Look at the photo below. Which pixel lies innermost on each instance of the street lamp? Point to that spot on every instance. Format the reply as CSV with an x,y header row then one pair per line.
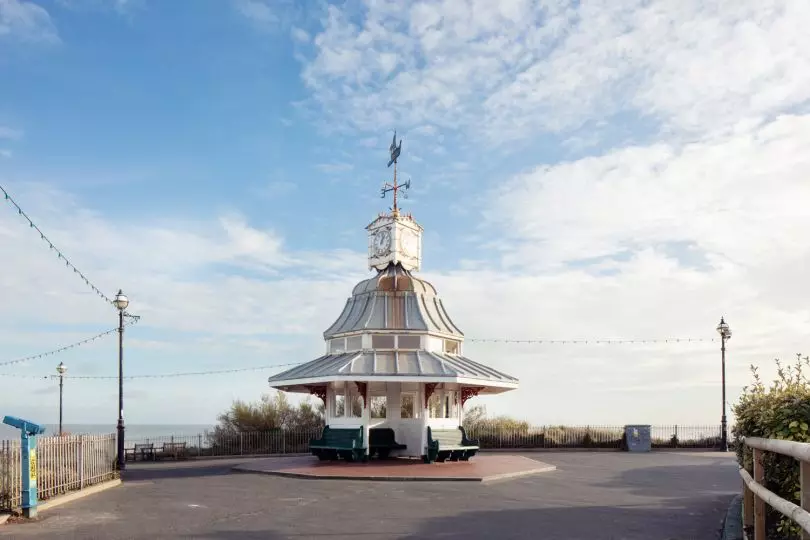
x,y
121,302
61,369
725,335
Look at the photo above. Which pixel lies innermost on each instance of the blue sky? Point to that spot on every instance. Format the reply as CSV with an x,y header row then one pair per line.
x,y
631,170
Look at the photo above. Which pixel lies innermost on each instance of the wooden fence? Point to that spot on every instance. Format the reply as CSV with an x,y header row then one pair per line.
x,y
755,495
63,464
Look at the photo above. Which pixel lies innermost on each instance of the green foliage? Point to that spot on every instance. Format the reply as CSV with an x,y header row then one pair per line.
x,y
781,411
271,413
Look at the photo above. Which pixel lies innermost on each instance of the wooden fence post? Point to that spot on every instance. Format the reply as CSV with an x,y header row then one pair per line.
x,y
804,474
759,504
748,508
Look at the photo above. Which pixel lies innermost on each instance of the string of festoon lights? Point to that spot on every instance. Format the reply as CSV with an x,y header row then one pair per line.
x,y
291,364
61,256
132,320
600,341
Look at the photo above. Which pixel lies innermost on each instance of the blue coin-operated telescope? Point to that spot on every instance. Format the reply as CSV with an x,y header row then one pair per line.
x,y
28,432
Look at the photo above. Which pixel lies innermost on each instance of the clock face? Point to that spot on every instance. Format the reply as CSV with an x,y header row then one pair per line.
x,y
382,242
408,242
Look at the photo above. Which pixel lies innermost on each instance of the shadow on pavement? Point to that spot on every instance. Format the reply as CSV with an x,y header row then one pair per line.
x,y
674,480
688,519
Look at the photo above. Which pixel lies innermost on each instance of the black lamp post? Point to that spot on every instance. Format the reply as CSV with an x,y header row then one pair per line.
x,y
725,335
61,369
121,302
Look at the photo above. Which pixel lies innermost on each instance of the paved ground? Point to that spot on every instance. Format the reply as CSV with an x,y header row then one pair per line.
x,y
590,496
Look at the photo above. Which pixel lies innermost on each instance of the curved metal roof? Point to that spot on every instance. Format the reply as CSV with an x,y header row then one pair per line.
x,y
394,299
391,366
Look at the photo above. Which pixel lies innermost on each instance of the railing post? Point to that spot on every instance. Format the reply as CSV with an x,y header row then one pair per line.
x,y
804,476
80,449
748,508
283,441
240,443
759,504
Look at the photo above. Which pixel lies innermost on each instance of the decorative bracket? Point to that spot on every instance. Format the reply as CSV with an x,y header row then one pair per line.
x,y
363,389
429,389
469,391
319,390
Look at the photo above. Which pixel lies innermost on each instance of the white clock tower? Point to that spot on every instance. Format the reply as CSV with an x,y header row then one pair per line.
x,y
394,238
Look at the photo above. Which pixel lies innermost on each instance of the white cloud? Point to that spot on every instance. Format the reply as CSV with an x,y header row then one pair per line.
x,y
5,153
335,167
509,70
26,21
299,35
10,133
257,11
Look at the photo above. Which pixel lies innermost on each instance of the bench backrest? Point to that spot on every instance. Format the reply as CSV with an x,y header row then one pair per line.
x,y
149,446
446,437
381,436
341,435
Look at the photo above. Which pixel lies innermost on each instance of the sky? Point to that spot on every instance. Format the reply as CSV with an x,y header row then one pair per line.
x,y
583,170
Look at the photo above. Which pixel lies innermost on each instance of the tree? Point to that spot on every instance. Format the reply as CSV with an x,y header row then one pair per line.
x,y
270,413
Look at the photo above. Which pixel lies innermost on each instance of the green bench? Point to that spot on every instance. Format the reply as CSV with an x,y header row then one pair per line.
x,y
382,441
452,444
339,442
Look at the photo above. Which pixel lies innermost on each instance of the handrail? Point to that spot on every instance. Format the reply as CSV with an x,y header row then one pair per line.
x,y
756,495
796,450
786,508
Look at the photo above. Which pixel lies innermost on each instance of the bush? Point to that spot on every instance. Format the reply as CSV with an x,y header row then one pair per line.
x,y
781,411
271,413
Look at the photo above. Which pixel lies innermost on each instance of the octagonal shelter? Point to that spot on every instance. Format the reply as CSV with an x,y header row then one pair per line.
x,y
394,357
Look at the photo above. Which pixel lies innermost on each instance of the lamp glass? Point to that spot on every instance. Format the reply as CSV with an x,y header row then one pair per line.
x,y
61,368
121,301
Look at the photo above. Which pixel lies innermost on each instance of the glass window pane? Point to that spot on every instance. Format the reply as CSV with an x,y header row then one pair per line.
x,y
435,407
450,346
382,341
379,406
407,406
337,345
408,342
354,343
340,405
357,406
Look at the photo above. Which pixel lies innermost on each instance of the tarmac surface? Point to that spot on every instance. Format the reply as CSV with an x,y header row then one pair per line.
x,y
660,495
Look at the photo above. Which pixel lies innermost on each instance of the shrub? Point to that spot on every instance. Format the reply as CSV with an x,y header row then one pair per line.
x,y
781,411
271,413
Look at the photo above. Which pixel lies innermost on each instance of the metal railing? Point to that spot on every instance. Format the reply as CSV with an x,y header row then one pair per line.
x,y
492,436
755,495
64,464
274,442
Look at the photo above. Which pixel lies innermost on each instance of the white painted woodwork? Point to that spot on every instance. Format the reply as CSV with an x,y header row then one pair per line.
x,y
404,246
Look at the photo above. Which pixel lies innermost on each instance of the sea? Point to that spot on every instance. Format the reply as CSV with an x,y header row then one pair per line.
x,y
134,432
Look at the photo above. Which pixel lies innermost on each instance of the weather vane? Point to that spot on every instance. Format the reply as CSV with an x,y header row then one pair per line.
x,y
395,150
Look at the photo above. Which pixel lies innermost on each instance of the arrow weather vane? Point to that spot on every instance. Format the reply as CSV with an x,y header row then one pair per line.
x,y
395,150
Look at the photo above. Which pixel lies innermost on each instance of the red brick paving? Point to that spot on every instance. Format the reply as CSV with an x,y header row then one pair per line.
x,y
479,468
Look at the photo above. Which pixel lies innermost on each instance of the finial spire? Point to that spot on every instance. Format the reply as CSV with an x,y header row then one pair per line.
x,y
395,150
